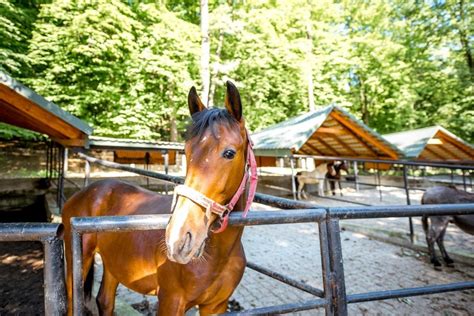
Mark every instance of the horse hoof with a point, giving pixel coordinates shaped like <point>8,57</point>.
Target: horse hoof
<point>438,268</point>
<point>450,264</point>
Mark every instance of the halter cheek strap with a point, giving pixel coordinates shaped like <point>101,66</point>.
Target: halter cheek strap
<point>220,210</point>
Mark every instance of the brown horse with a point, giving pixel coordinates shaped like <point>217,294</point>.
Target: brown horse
<point>435,226</point>
<point>188,264</point>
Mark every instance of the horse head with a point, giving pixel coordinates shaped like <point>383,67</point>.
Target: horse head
<point>215,149</point>
<point>342,165</point>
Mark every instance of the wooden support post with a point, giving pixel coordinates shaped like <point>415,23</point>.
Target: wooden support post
<point>293,183</point>
<point>464,180</point>
<point>166,160</point>
<point>87,173</point>
<point>356,176</point>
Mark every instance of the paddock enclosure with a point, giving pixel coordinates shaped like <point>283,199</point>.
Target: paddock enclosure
<point>332,296</point>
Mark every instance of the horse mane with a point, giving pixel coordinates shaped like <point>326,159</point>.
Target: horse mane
<point>209,118</point>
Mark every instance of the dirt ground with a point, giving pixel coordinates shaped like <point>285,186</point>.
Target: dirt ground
<point>21,278</point>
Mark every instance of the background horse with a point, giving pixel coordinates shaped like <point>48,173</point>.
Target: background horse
<point>187,265</point>
<point>334,175</point>
<point>435,226</point>
<point>331,170</point>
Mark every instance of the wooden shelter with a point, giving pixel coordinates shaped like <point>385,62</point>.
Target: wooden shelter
<point>433,143</point>
<point>138,151</point>
<point>20,106</point>
<point>330,131</point>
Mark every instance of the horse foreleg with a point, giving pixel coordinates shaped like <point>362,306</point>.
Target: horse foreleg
<point>340,187</point>
<point>169,304</point>
<point>444,253</point>
<point>106,296</point>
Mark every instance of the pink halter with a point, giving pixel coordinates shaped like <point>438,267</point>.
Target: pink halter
<point>212,206</point>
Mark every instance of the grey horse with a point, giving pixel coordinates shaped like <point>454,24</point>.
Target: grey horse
<point>435,226</point>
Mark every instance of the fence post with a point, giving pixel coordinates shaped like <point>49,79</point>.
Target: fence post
<point>326,267</point>
<point>78,291</point>
<point>407,192</point>
<point>356,176</point>
<point>54,286</point>
<point>339,299</point>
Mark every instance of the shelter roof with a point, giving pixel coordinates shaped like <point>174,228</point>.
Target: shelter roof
<point>21,106</point>
<point>96,142</point>
<point>433,143</point>
<point>329,131</point>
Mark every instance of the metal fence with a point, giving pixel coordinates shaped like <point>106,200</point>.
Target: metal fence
<point>332,296</point>
<point>50,235</point>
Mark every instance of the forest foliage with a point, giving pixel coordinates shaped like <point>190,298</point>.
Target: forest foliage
<point>125,67</point>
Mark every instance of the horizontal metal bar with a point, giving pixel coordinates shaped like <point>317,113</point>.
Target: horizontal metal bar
<point>400,211</point>
<point>148,222</point>
<point>416,291</point>
<point>259,198</point>
<point>282,203</point>
<point>393,162</point>
<point>284,308</point>
<point>342,200</point>
<point>29,231</point>
<point>287,280</point>
<point>143,172</point>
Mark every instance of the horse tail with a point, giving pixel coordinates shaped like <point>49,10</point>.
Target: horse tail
<point>424,222</point>
<point>89,282</point>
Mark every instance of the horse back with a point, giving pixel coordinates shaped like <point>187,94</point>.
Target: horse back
<point>114,197</point>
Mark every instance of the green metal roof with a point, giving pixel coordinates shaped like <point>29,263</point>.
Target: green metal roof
<point>289,136</point>
<point>96,142</point>
<point>19,88</point>
<point>413,142</point>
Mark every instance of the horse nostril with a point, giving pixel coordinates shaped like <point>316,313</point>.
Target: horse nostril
<point>186,242</point>
<point>189,237</point>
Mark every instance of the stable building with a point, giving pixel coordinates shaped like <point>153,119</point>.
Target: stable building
<point>327,132</point>
<point>433,144</point>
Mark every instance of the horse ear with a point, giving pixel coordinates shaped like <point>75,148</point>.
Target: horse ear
<point>194,102</point>
<point>232,101</point>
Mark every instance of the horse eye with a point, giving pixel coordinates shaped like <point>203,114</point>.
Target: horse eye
<point>228,154</point>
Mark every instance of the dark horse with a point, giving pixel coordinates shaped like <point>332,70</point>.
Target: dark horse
<point>435,226</point>
<point>326,171</point>
<point>334,175</point>
<point>190,263</point>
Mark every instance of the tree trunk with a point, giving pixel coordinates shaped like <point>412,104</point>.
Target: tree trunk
<point>309,66</point>
<point>205,51</point>
<point>215,69</point>
<point>363,102</point>
<point>464,40</point>
<point>173,129</point>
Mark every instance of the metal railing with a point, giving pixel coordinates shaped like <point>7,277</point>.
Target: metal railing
<point>332,296</point>
<point>50,235</point>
